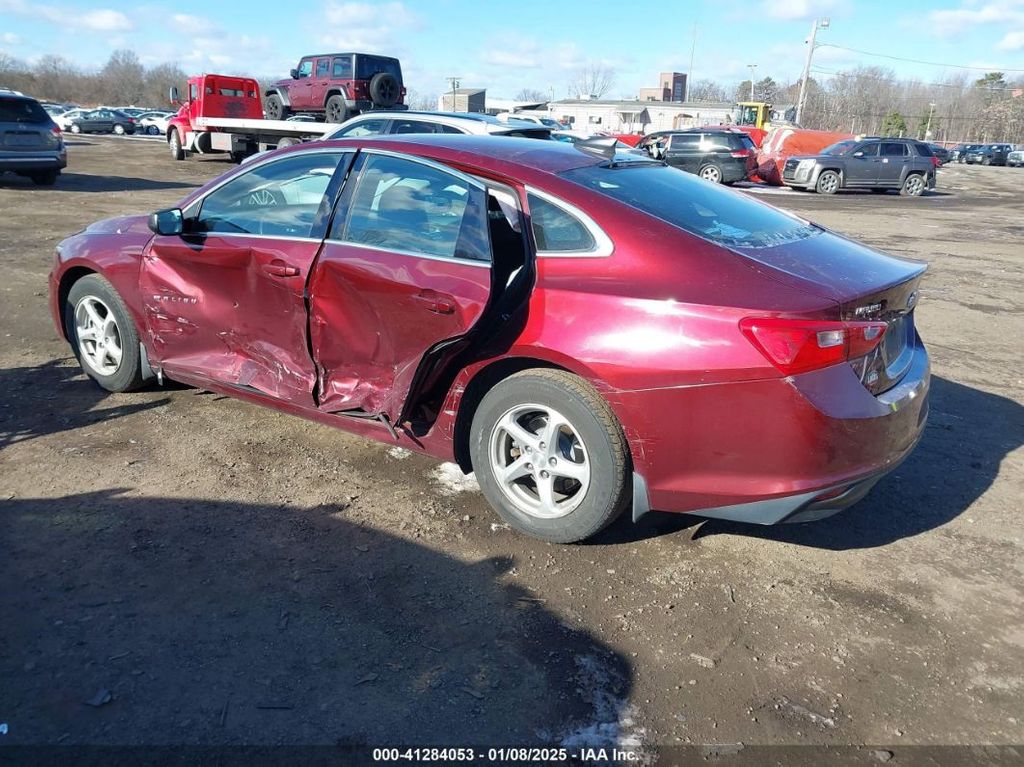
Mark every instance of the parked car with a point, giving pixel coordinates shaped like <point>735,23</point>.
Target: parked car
<point>338,86</point>
<point>878,164</point>
<point>988,154</point>
<point>587,334</point>
<point>1015,159</point>
<point>31,144</point>
<point>383,122</point>
<point>103,121</point>
<point>545,120</point>
<point>154,123</point>
<point>64,119</point>
<point>940,153</point>
<point>720,156</point>
<point>574,137</point>
<point>961,150</point>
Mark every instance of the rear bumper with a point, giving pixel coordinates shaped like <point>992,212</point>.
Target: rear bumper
<point>33,162</point>
<point>769,451</point>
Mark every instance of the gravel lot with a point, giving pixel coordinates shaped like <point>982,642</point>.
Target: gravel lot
<point>235,575</point>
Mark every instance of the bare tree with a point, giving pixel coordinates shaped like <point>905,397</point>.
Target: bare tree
<point>421,102</point>
<point>123,78</point>
<point>707,90</point>
<point>159,80</point>
<point>593,80</point>
<point>531,94</point>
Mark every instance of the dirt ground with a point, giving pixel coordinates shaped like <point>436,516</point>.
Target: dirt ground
<point>231,575</point>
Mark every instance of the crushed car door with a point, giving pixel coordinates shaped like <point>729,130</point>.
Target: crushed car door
<point>225,301</point>
<point>405,268</point>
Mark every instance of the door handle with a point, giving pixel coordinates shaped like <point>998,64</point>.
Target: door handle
<point>438,303</point>
<point>278,268</point>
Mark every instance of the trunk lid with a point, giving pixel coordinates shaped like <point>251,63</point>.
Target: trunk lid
<point>867,285</point>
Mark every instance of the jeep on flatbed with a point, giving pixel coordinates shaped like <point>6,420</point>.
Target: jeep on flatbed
<point>337,86</point>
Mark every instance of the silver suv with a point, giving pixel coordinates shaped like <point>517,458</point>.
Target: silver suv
<point>878,164</point>
<point>30,141</point>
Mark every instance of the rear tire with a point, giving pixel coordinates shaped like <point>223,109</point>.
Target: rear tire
<point>711,173</point>
<point>174,144</point>
<point>94,313</point>
<point>563,492</point>
<point>828,182</point>
<point>276,110</point>
<point>913,185</point>
<point>119,129</point>
<point>152,130</point>
<point>76,128</point>
<point>286,141</point>
<point>46,178</point>
<point>335,110</point>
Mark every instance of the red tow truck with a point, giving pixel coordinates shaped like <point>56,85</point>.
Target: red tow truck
<point>224,114</point>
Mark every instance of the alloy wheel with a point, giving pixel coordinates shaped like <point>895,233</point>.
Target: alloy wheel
<point>712,174</point>
<point>539,461</point>
<point>99,338</point>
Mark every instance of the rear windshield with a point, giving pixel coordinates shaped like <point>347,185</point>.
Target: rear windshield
<point>924,150</point>
<point>692,204</point>
<point>22,111</point>
<point>368,66</point>
<point>528,133</point>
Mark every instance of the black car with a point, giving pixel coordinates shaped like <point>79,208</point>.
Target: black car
<point>103,121</point>
<point>30,141</point>
<point>988,154</point>
<point>960,151</point>
<point>720,156</point>
<point>878,164</point>
<point>940,153</point>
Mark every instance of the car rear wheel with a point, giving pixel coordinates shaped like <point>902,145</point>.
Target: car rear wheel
<point>119,129</point>
<point>335,110</point>
<point>913,186</point>
<point>550,456</point>
<point>152,130</point>
<point>828,182</point>
<point>76,128</point>
<point>276,110</point>
<point>174,143</point>
<point>102,334</point>
<point>711,173</point>
<point>46,178</point>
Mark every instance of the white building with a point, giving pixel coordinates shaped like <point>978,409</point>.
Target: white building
<point>639,116</point>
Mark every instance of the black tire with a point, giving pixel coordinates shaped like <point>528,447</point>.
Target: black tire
<point>174,144</point>
<point>119,129</point>
<point>128,375</point>
<point>237,157</point>
<point>710,172</point>
<point>913,185</point>
<point>335,110</point>
<point>285,141</point>
<point>828,182</point>
<point>986,161</point>
<point>879,190</point>
<point>276,110</point>
<point>152,130</point>
<point>46,178</point>
<point>599,432</point>
<point>384,90</point>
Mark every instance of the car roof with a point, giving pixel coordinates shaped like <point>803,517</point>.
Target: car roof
<point>348,53</point>
<point>471,121</point>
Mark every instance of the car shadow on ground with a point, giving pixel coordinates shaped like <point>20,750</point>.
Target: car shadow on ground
<point>83,182</point>
<point>968,434</point>
<point>55,397</point>
<point>213,621</point>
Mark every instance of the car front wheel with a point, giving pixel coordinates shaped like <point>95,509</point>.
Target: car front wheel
<point>103,335</point>
<point>174,143</point>
<point>335,110</point>
<point>550,456</point>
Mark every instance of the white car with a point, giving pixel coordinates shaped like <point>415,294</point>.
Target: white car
<point>545,120</point>
<point>380,122</point>
<point>574,137</point>
<point>154,123</point>
<point>64,120</point>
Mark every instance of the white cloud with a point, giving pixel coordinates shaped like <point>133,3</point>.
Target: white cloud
<point>101,20</point>
<point>97,20</point>
<point>365,26</point>
<point>193,25</point>
<point>1007,13</point>
<point>1012,41</point>
<point>795,10</point>
<point>9,38</point>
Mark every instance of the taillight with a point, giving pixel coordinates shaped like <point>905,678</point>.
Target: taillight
<point>798,346</point>
<point>935,161</point>
<point>743,153</point>
<point>55,130</point>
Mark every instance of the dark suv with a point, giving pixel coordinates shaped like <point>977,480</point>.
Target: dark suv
<point>988,154</point>
<point>30,141</point>
<point>338,86</point>
<point>721,156</point>
<point>878,164</point>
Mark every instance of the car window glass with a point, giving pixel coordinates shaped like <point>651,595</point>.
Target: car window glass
<point>411,126</point>
<point>449,129</point>
<point>361,128</point>
<point>279,198</point>
<point>306,68</point>
<point>868,150</point>
<point>406,206</point>
<point>893,149</point>
<point>323,66</point>
<point>342,68</point>
<point>22,111</point>
<point>557,230</point>
<point>688,141</point>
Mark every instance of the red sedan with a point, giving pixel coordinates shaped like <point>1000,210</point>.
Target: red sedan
<point>587,332</point>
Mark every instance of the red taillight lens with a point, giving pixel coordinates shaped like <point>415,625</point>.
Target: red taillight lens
<point>935,161</point>
<point>55,130</point>
<point>743,153</point>
<point>798,346</point>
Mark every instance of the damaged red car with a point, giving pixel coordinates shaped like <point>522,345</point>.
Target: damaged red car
<point>589,332</point>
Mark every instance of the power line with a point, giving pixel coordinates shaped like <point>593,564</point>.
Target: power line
<point>838,73</point>
<point>918,61</point>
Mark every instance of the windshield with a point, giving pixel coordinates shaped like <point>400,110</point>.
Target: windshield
<point>840,147</point>
<point>692,204</point>
<point>22,111</point>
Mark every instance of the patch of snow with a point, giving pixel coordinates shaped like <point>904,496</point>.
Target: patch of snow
<point>452,481</point>
<point>399,453</point>
<point>614,724</point>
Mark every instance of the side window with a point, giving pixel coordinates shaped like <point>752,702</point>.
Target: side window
<point>411,126</point>
<point>279,198</point>
<point>306,68</point>
<point>362,128</point>
<point>323,66</point>
<point>868,150</point>
<point>449,129</point>
<point>892,149</point>
<point>402,205</point>
<point>193,92</point>
<point>684,141</point>
<point>556,230</point>
<point>342,68</point>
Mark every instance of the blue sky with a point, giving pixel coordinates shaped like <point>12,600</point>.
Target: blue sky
<point>505,46</point>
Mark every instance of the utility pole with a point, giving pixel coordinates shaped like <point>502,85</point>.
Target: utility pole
<point>689,74</point>
<point>454,81</point>
<point>823,23</point>
<point>751,67</point>
<point>928,127</point>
